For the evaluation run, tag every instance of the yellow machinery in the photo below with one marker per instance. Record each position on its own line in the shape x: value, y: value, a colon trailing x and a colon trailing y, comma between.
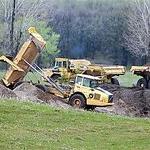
x: 105, y: 73
x: 85, y: 93
x: 28, y: 53
x: 144, y: 72
x: 68, y: 68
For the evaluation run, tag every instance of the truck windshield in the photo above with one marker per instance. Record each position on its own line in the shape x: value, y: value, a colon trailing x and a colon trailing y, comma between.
x: 90, y: 82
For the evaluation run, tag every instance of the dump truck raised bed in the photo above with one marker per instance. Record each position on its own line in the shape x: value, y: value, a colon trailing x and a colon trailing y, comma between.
x: 144, y: 72
x: 28, y: 52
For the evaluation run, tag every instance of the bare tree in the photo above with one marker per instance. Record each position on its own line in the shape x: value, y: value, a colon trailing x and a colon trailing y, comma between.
x: 137, y: 37
x: 17, y: 16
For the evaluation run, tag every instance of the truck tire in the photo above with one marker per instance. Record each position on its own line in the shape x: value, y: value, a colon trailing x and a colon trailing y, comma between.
x: 115, y: 81
x: 142, y: 83
x: 77, y: 101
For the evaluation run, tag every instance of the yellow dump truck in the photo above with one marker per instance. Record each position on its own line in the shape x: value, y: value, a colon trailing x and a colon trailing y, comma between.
x: 85, y: 93
x: 68, y: 68
x: 105, y: 73
x: 27, y: 54
x: 144, y: 72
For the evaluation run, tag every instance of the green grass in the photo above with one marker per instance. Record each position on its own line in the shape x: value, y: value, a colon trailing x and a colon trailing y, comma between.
x: 128, y: 80
x: 34, y: 126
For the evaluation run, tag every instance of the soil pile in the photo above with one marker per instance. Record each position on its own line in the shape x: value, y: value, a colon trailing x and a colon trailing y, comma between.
x: 27, y: 91
x: 128, y: 101
x: 6, y: 93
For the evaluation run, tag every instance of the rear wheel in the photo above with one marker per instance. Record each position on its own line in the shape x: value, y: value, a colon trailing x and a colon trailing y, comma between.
x: 115, y: 81
x: 77, y: 101
x: 142, y: 83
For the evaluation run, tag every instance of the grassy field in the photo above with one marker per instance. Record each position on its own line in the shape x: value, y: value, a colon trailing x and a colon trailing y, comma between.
x: 128, y: 79
x: 34, y: 126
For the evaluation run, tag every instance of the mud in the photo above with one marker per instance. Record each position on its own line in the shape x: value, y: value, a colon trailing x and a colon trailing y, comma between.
x: 6, y: 93
x: 27, y: 91
x: 128, y: 101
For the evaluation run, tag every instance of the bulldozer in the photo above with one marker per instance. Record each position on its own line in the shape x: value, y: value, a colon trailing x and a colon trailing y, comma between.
x: 85, y: 92
x: 144, y: 72
x: 68, y: 68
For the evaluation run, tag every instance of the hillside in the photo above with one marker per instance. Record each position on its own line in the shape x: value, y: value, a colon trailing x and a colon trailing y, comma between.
x: 36, y: 126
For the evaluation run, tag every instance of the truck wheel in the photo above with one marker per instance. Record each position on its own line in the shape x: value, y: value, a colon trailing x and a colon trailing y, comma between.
x: 114, y: 81
x: 142, y: 83
x: 77, y: 101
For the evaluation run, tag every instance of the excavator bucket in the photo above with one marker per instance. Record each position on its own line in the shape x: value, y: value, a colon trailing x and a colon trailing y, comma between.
x: 28, y: 53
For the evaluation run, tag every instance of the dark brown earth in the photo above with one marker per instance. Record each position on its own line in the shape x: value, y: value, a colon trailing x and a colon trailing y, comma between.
x: 127, y: 101
x: 27, y: 91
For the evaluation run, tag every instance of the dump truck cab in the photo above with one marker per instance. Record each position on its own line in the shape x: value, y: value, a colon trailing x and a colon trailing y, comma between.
x: 88, y: 94
x: 64, y: 67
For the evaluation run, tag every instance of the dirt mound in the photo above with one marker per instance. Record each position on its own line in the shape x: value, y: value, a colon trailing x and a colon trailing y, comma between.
x: 129, y: 101
x: 6, y: 93
x: 27, y: 91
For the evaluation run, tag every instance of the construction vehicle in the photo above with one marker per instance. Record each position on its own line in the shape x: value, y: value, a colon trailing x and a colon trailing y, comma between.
x: 68, y: 68
x: 28, y: 52
x: 105, y: 73
x: 144, y: 72
x: 85, y: 93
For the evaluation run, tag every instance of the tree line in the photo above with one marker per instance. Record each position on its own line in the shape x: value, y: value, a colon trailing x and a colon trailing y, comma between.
x: 110, y: 32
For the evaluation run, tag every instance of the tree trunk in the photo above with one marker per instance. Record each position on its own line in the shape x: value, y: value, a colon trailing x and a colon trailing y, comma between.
x: 12, y: 27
